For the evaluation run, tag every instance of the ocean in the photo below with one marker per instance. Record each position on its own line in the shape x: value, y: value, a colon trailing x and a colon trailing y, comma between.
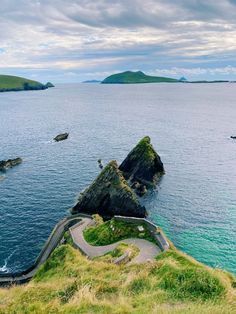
x: 190, y: 127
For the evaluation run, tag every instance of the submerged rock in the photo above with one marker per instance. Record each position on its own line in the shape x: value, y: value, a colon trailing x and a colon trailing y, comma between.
x: 110, y: 195
x: 4, y: 164
x: 61, y: 137
x: 142, y: 166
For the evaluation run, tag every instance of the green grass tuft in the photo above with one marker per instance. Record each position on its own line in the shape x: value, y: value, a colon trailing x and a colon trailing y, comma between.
x: 113, y: 231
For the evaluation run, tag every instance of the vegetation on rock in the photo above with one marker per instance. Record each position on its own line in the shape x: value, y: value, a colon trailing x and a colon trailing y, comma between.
x: 5, y: 164
x: 129, y: 77
x: 110, y: 195
x: 143, y: 164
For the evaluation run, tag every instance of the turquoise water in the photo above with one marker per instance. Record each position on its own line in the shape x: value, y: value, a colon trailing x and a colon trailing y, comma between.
x: 190, y: 126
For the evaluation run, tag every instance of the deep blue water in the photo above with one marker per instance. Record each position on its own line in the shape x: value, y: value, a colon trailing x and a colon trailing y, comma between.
x: 190, y: 126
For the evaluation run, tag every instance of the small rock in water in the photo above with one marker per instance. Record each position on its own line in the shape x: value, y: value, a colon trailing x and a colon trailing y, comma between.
x: 61, y: 137
x: 5, y: 164
x: 100, y: 164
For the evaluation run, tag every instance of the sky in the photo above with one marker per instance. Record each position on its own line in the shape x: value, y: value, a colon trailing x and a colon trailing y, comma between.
x: 71, y: 41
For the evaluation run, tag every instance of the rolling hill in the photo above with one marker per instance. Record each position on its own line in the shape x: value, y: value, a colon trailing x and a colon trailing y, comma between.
x: 130, y: 77
x: 15, y: 83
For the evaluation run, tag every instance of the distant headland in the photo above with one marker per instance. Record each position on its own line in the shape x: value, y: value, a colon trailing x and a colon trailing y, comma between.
x: 92, y: 82
x: 130, y: 77
x: 10, y: 83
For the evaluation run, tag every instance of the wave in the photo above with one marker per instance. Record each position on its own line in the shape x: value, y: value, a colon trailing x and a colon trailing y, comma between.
x: 4, y: 268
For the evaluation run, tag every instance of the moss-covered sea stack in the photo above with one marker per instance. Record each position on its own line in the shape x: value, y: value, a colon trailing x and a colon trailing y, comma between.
x: 109, y: 195
x: 142, y: 165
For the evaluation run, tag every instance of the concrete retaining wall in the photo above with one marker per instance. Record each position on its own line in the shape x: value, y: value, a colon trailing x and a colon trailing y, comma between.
x: 51, y: 243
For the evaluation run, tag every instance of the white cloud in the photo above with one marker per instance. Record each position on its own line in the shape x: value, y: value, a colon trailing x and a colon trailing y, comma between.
x: 105, y: 36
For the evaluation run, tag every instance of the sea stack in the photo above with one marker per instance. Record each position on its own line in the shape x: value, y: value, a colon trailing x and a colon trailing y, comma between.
x: 143, y: 166
x: 109, y: 195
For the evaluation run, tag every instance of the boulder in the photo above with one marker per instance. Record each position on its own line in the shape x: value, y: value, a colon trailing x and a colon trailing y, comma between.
x: 142, y: 165
x: 4, y: 164
x: 61, y: 137
x: 109, y: 195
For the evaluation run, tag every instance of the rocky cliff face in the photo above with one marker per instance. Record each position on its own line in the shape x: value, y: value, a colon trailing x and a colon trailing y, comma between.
x: 109, y: 195
x: 143, y: 165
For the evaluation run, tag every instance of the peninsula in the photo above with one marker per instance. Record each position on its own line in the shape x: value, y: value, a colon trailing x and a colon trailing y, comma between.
x: 10, y: 83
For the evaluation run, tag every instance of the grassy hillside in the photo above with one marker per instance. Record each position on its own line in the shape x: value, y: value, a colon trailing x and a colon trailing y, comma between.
x: 70, y: 283
x: 130, y: 77
x: 15, y: 83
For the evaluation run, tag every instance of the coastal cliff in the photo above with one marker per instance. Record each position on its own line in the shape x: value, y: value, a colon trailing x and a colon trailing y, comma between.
x: 9, y: 83
x: 109, y: 195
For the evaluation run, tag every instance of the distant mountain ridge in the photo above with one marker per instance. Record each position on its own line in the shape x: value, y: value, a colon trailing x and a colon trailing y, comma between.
x: 15, y: 83
x: 92, y: 81
x: 129, y: 77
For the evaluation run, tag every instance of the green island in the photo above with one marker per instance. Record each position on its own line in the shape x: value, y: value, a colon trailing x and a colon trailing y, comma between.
x: 15, y: 83
x: 129, y: 77
x: 68, y: 282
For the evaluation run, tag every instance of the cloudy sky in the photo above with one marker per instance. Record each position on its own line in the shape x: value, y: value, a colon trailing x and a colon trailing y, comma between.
x: 75, y: 40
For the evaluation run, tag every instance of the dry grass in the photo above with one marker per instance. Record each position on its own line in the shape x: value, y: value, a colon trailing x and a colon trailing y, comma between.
x: 70, y: 283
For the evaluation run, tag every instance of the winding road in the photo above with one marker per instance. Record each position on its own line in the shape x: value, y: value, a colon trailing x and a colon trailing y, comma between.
x: 76, y: 225
x: 147, y: 250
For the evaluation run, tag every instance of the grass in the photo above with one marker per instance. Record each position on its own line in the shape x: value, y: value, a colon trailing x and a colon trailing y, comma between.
x: 130, y: 77
x: 8, y: 82
x: 70, y: 283
x: 113, y: 231
x: 121, y: 249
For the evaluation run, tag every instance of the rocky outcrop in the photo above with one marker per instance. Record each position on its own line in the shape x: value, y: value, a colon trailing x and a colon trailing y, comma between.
x: 233, y: 137
x: 61, y: 137
x: 109, y: 195
x: 142, y: 166
x: 49, y: 85
x: 4, y: 164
